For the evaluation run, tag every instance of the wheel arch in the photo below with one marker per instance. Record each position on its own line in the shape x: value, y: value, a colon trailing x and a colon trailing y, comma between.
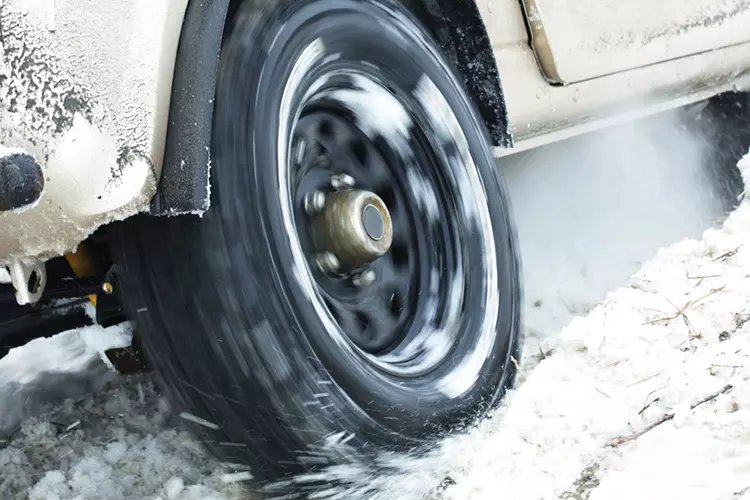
x: 184, y: 187
x: 459, y: 29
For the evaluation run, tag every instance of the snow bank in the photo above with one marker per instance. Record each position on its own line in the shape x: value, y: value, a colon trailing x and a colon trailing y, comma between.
x: 578, y: 426
x: 648, y: 397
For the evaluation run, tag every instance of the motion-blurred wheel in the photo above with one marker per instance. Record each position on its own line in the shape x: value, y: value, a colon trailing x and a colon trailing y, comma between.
x: 355, y: 286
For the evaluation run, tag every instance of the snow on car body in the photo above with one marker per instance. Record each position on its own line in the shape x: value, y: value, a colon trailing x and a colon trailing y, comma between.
x: 86, y: 89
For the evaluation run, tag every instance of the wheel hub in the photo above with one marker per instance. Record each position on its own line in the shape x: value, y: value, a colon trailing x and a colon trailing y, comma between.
x: 355, y: 226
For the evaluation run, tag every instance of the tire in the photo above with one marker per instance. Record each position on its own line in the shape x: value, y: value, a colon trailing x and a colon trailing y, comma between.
x: 245, y: 330
x: 724, y: 124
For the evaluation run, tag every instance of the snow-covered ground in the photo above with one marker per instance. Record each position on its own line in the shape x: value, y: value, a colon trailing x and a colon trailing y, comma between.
x: 647, y: 396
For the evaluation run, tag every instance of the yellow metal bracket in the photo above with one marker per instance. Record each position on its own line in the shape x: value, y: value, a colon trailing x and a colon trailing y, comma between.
x: 82, y: 265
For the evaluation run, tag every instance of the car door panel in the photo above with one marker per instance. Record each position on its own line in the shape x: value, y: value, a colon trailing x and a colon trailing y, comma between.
x: 577, y: 40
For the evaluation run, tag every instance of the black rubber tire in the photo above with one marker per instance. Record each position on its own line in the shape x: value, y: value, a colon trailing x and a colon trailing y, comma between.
x: 216, y: 300
x: 724, y: 123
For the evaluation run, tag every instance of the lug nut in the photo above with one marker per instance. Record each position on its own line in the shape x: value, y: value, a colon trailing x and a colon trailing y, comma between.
x: 327, y: 262
x: 363, y: 279
x: 107, y: 288
x: 342, y: 181
x: 315, y: 202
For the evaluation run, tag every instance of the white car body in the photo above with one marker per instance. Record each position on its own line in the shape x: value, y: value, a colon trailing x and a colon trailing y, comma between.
x: 85, y: 88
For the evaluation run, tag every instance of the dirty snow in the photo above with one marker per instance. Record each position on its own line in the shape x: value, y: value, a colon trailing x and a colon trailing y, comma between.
x: 647, y: 396
x: 120, y: 444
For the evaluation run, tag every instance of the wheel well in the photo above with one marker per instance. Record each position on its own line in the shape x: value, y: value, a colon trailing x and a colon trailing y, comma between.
x: 184, y: 187
x: 459, y: 29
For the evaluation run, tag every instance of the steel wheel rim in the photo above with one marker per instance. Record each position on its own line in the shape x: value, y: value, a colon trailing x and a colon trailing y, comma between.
x: 430, y: 338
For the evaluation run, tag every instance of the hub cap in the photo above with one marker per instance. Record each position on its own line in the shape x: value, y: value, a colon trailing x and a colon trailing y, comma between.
x: 355, y: 226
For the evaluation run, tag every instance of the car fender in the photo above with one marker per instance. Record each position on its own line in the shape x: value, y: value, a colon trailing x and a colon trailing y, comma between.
x: 84, y: 89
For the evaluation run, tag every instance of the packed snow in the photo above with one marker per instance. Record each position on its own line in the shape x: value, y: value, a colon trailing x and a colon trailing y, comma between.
x: 647, y: 396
